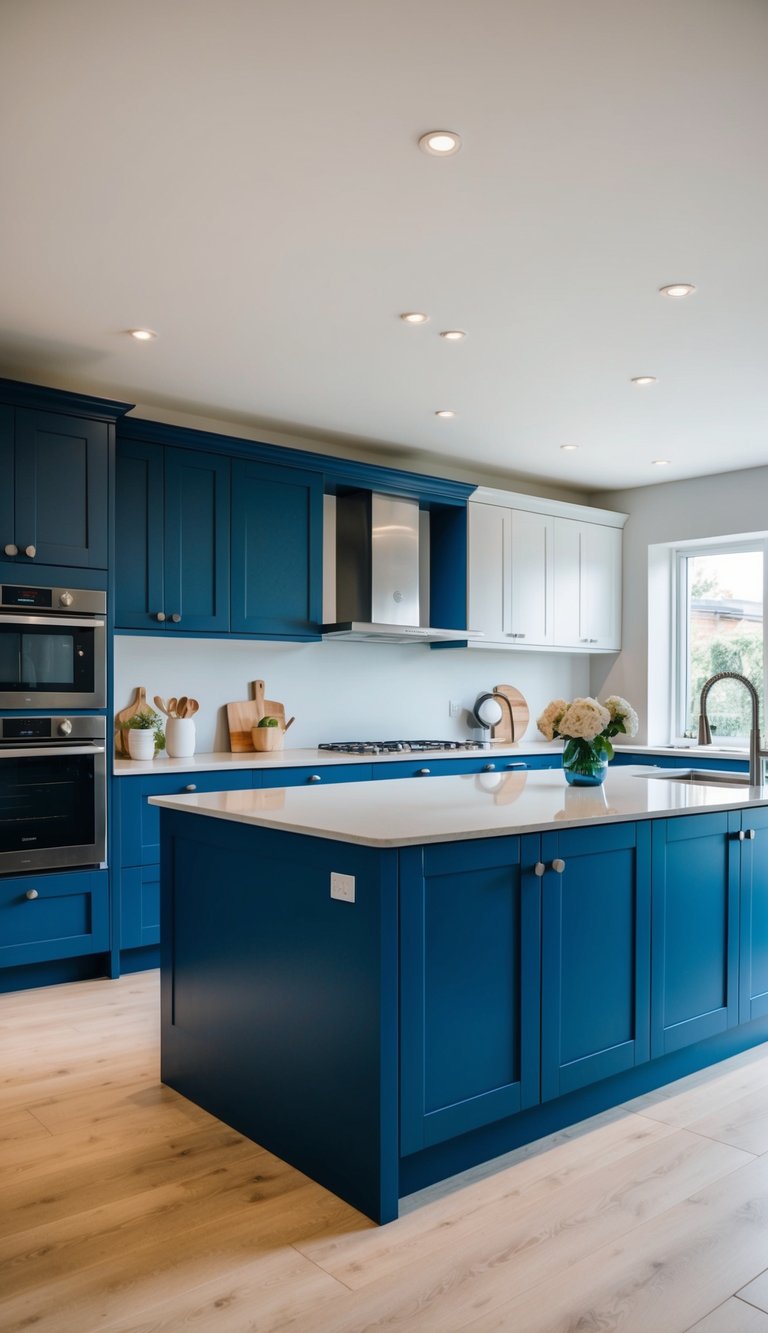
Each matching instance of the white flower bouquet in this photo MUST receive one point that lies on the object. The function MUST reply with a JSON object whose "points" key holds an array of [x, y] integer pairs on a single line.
{"points": [[587, 726]]}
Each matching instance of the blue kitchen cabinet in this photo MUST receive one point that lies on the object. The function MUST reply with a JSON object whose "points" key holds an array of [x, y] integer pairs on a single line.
{"points": [[301, 777], [54, 471], [470, 987], [53, 916], [695, 932], [139, 906], [172, 539], [596, 963], [277, 551], [140, 822], [753, 949], [429, 765]]}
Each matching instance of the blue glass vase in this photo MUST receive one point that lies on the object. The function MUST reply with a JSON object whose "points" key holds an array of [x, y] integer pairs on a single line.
{"points": [[583, 764]]}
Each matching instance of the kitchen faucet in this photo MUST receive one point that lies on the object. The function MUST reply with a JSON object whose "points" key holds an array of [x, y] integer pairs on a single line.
{"points": [[705, 734]]}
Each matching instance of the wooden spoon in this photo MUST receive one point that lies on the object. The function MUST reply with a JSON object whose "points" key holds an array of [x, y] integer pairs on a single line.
{"points": [[172, 707], [181, 706], [161, 704], [289, 723], [192, 708]]}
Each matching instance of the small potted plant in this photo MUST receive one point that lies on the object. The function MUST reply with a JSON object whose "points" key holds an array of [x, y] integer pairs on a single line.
{"points": [[144, 734], [268, 735]]}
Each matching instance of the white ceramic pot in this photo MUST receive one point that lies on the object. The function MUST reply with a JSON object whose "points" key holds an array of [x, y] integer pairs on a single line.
{"points": [[141, 744], [180, 737]]}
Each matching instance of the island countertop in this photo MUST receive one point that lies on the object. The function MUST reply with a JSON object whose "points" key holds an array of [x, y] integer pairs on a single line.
{"points": [[402, 813]]}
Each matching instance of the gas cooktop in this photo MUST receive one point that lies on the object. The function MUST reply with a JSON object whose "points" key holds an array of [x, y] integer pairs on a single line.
{"points": [[396, 747]]}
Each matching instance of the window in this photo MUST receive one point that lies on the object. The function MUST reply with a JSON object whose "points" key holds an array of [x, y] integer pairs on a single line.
{"points": [[720, 628]]}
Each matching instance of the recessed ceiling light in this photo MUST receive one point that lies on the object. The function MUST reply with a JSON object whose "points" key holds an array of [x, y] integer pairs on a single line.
{"points": [[660, 462], [677, 289], [440, 143], [415, 317], [143, 335], [643, 379], [568, 448], [445, 412], [453, 335]]}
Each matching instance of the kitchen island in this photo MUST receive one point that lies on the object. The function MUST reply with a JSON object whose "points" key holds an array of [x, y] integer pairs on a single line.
{"points": [[386, 983]]}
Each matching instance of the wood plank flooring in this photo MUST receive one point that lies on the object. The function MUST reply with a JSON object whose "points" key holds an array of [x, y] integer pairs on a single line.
{"points": [[125, 1208]]}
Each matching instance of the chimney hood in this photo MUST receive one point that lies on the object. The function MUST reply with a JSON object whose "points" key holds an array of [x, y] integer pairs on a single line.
{"points": [[377, 573]]}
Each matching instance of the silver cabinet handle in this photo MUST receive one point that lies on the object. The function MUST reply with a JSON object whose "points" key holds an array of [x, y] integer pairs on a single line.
{"points": [[175, 617], [31, 551], [751, 834], [489, 768], [422, 773], [314, 777], [539, 869], [159, 615], [11, 548], [585, 640], [523, 766], [558, 865], [192, 787], [514, 635], [740, 836], [593, 640], [31, 894]]}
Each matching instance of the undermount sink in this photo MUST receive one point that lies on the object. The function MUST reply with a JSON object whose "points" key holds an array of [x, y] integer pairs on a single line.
{"points": [[702, 777]]}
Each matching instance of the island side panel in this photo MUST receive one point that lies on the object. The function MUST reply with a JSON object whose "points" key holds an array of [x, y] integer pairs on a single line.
{"points": [[279, 1003]]}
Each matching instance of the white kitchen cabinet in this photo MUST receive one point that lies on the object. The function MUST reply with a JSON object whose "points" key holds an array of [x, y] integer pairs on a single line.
{"points": [[587, 577], [543, 574]]}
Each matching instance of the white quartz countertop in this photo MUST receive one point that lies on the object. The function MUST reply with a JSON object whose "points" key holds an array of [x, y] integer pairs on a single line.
{"points": [[404, 812], [223, 760]]}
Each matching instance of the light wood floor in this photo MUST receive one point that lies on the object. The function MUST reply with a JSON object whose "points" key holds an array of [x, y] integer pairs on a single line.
{"points": [[123, 1207]]}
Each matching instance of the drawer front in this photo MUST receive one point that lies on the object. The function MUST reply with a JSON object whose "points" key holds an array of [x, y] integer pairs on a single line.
{"points": [[44, 917], [139, 906], [140, 822], [302, 777], [427, 766]]}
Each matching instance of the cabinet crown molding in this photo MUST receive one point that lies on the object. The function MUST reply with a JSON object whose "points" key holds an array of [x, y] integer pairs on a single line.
{"points": [[535, 504]]}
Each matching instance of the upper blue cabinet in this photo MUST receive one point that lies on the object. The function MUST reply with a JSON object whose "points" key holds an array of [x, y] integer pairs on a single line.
{"points": [[54, 477], [172, 539]]}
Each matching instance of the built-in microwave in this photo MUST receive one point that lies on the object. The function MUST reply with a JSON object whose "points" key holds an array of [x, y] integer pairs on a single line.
{"points": [[53, 647]]}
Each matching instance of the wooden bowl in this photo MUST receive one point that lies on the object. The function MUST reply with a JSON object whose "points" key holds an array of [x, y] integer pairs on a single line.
{"points": [[267, 738]]}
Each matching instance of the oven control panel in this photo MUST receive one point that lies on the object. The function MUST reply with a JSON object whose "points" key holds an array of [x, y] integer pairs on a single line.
{"points": [[31, 729], [65, 601]]}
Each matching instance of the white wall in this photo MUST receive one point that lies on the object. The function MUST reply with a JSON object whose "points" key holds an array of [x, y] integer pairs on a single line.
{"points": [[340, 691], [727, 504]]}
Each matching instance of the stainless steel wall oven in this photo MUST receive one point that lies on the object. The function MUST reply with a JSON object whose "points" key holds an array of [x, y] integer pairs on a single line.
{"points": [[53, 647], [53, 788]]}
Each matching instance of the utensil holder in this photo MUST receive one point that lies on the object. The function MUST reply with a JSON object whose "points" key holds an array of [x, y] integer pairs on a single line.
{"points": [[180, 737]]}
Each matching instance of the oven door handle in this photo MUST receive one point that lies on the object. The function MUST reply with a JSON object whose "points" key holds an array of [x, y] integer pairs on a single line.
{"points": [[48, 751], [57, 621]]}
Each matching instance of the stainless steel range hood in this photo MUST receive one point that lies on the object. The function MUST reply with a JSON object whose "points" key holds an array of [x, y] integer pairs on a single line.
{"points": [[377, 573]]}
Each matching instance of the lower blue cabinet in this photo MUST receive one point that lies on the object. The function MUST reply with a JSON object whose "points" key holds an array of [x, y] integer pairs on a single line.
{"points": [[596, 960], [470, 988], [753, 945], [695, 943], [139, 906], [51, 916], [302, 777]]}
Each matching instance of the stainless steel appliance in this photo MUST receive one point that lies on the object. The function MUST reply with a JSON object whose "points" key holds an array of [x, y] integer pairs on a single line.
{"points": [[53, 790], [53, 647], [397, 747], [378, 573]]}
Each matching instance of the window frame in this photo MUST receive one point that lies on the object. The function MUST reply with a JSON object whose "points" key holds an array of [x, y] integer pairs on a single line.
{"points": [[682, 552]]}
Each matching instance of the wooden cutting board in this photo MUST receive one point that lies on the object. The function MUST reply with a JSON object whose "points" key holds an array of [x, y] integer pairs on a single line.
{"points": [[247, 713], [138, 705], [503, 731]]}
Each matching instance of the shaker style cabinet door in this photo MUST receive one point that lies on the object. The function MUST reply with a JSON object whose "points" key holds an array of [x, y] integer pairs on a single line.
{"points": [[695, 942], [595, 949], [172, 538], [470, 994], [488, 572], [54, 471], [277, 516], [529, 619], [587, 585], [753, 953]]}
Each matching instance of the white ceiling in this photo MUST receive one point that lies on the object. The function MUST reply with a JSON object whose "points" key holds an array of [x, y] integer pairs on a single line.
{"points": [[243, 177]]}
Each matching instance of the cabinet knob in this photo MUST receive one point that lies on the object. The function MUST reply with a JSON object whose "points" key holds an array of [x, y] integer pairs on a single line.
{"points": [[159, 615], [508, 766], [192, 787], [740, 836], [11, 548], [422, 773], [31, 551], [751, 834], [175, 617], [539, 869], [489, 768], [558, 865], [314, 777], [31, 894]]}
